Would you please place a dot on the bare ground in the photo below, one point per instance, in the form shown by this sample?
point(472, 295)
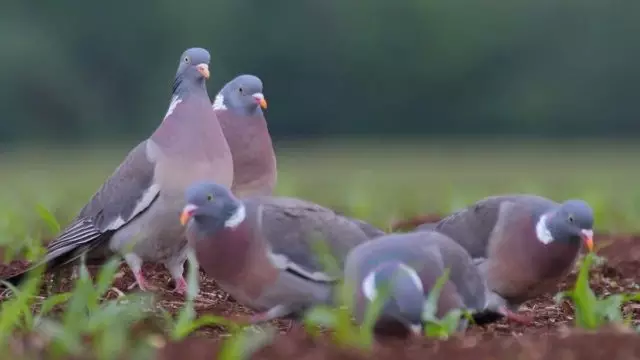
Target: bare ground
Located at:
point(549, 336)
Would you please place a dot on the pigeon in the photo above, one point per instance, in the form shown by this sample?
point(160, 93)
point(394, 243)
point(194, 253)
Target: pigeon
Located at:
point(409, 265)
point(134, 212)
point(239, 106)
point(261, 250)
point(523, 244)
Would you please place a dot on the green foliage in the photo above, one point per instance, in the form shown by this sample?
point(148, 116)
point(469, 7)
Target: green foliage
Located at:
point(339, 317)
point(187, 322)
point(396, 182)
point(592, 312)
point(242, 344)
point(445, 327)
point(459, 81)
point(16, 311)
point(87, 314)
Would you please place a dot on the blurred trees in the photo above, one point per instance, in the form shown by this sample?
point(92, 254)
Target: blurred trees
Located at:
point(534, 67)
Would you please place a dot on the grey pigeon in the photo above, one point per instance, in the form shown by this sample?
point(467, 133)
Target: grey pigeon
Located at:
point(410, 264)
point(260, 250)
point(135, 210)
point(239, 106)
point(523, 244)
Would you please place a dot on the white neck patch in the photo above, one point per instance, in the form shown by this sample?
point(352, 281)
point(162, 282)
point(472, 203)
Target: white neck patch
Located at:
point(237, 218)
point(172, 106)
point(218, 103)
point(369, 283)
point(542, 232)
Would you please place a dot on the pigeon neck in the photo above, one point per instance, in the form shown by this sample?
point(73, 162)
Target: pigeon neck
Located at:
point(542, 230)
point(218, 102)
point(237, 218)
point(254, 160)
point(228, 252)
point(183, 87)
point(390, 271)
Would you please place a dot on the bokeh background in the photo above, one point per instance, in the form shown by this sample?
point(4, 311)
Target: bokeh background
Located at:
point(380, 108)
point(75, 69)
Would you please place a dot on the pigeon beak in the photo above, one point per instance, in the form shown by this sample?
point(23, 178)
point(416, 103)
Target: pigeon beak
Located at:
point(187, 213)
point(587, 237)
point(204, 70)
point(260, 100)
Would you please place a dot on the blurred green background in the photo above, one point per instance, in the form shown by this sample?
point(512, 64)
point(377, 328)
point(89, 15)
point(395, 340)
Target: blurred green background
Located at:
point(379, 108)
point(83, 69)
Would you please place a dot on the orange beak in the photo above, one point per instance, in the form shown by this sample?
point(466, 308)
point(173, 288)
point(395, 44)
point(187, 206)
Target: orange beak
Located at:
point(260, 100)
point(204, 70)
point(187, 213)
point(587, 237)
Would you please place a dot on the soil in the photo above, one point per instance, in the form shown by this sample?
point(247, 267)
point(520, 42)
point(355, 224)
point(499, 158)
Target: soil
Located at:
point(550, 336)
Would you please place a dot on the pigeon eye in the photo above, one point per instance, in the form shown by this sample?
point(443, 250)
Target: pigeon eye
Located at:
point(186, 59)
point(240, 89)
point(571, 218)
point(209, 197)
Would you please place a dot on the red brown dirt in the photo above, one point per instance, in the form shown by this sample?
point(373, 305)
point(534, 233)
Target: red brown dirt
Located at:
point(549, 336)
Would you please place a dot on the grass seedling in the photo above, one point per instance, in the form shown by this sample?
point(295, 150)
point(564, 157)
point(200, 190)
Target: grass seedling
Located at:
point(243, 343)
point(592, 312)
point(445, 327)
point(339, 317)
point(187, 321)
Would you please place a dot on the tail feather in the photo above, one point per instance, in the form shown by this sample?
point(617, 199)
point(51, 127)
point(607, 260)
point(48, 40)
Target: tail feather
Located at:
point(57, 259)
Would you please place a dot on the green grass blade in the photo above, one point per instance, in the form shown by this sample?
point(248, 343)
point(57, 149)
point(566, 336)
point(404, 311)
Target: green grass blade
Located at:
point(205, 320)
point(63, 342)
point(184, 324)
point(243, 344)
point(584, 298)
point(49, 303)
point(48, 218)
point(431, 304)
point(321, 316)
point(105, 277)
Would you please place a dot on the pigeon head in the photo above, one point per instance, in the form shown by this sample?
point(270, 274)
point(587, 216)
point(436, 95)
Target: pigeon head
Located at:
point(243, 94)
point(193, 67)
point(211, 207)
point(405, 300)
point(495, 308)
point(572, 221)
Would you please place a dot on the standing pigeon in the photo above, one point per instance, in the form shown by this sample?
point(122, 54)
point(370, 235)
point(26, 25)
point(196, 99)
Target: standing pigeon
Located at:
point(239, 106)
point(523, 244)
point(410, 264)
point(260, 250)
point(135, 210)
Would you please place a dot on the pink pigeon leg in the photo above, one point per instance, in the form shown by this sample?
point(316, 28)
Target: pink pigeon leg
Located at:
point(140, 281)
point(135, 264)
point(181, 286)
point(512, 316)
point(176, 269)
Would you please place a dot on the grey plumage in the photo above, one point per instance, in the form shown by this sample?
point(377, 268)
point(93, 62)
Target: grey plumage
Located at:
point(260, 250)
point(520, 255)
point(134, 211)
point(239, 106)
point(411, 264)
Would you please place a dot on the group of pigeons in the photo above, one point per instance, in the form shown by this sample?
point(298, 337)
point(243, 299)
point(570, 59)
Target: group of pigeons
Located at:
point(204, 181)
